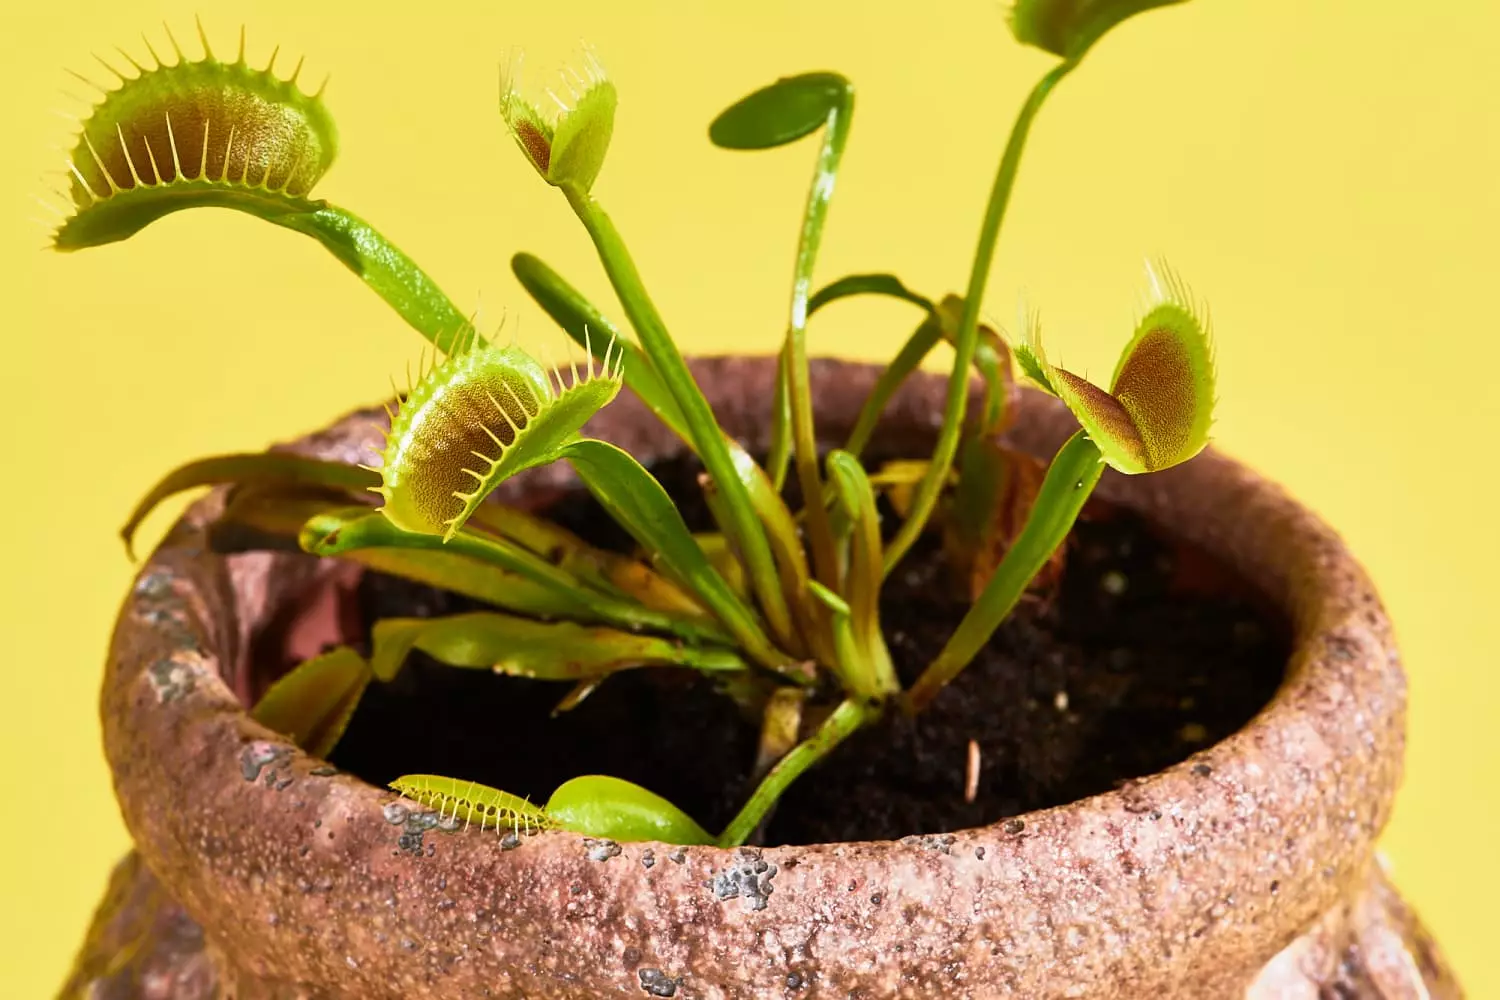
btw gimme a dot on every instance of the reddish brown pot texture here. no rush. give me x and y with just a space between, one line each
1247 870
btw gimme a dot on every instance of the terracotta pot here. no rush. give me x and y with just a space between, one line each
1247 870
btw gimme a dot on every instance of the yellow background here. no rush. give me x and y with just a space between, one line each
1325 174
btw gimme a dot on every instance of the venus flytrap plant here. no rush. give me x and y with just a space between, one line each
780 609
1155 414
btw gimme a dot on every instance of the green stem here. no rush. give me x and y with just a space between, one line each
394 276
968 331
794 369
856 500
615 611
744 527
1074 473
779 456
911 355
342 531
845 719
575 314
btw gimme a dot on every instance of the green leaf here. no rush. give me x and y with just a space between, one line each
637 502
867 284
780 113
724 559
473 421
601 806
548 651
254 467
388 272
271 517
837 727
338 532
708 439
1159 408
991 360
576 316
590 328
606 571
593 805
1071 478
210 134
966 338
312 704
1069 28
906 361
874 674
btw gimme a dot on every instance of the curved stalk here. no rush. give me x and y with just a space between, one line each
744 527
968 331
794 370
391 274
350 529
906 361
838 727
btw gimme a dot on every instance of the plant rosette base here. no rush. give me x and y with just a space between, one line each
1248 869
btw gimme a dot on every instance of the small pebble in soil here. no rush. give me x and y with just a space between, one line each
657 983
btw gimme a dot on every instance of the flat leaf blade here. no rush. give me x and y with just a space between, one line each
867 284
779 113
602 806
256 467
337 532
636 501
312 704
548 651
258 518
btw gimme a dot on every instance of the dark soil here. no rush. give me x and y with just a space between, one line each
1145 653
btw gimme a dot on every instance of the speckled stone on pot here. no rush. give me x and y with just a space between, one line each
1248 870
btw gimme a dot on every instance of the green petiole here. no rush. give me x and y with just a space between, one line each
793 368
845 720
348 530
1074 473
744 527
968 330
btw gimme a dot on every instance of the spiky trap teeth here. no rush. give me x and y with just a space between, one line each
1159 407
176 135
564 134
476 418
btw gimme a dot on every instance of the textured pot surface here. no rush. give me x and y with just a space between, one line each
1246 870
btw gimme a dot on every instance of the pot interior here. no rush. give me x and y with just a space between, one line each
1142 652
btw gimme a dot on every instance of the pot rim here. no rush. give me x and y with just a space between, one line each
1213 863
